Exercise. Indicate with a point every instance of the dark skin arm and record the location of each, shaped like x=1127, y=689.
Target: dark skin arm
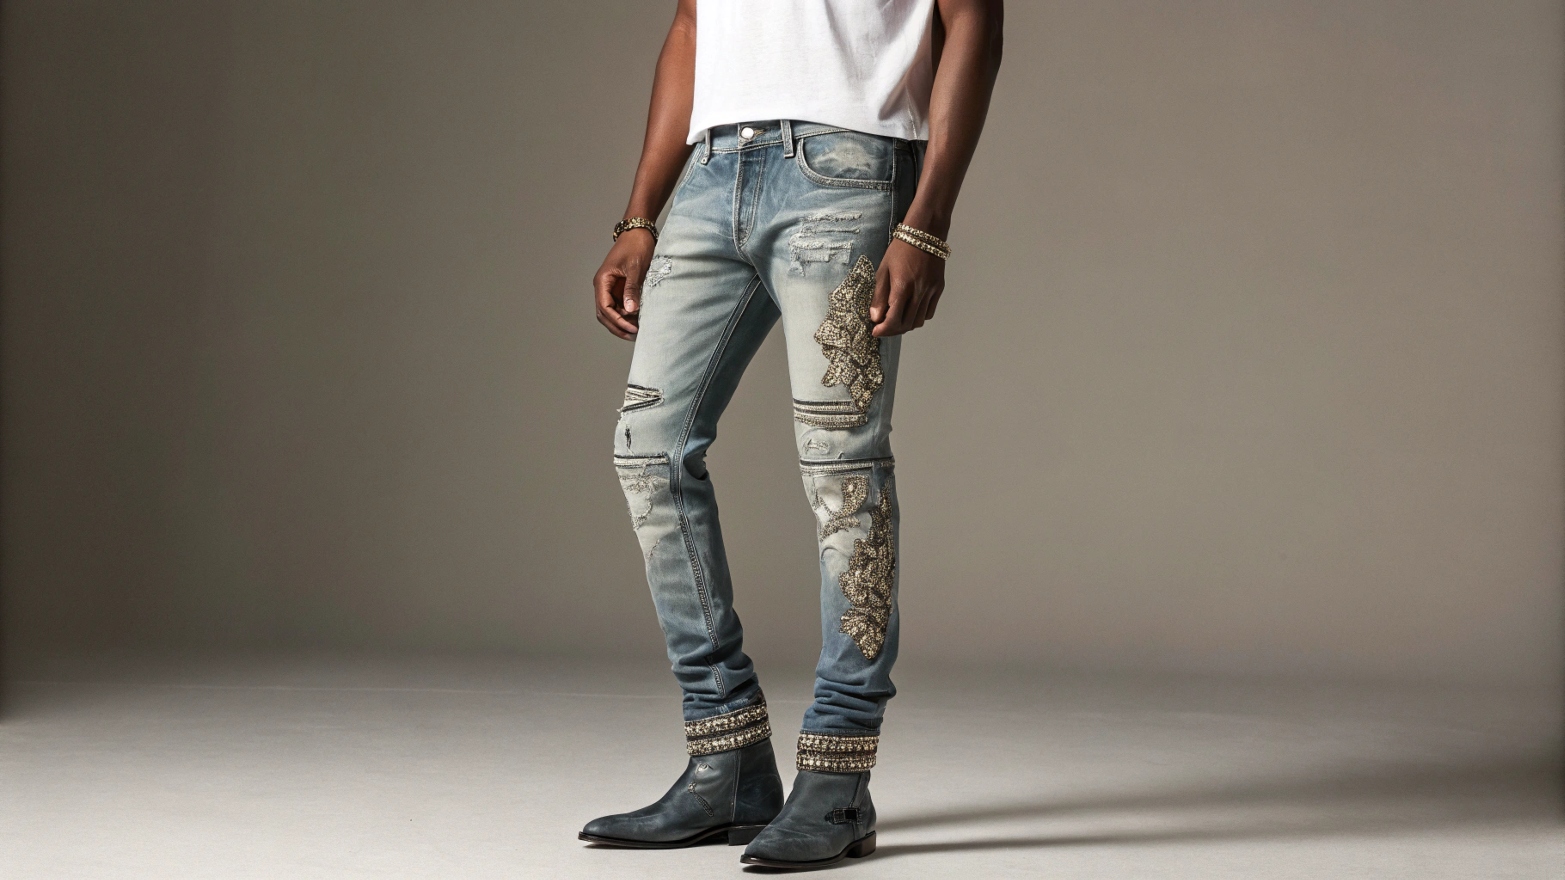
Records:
x=663, y=154
x=909, y=282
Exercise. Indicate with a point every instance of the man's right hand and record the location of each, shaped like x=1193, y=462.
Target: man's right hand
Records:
x=618, y=282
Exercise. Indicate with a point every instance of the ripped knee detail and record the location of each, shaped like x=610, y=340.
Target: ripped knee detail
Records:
x=641, y=477
x=637, y=397
x=640, y=397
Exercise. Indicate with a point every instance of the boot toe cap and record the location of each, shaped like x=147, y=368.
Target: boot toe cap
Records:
x=605, y=826
x=794, y=845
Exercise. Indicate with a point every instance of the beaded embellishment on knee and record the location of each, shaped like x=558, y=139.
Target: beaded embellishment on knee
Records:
x=867, y=582
x=728, y=731
x=833, y=753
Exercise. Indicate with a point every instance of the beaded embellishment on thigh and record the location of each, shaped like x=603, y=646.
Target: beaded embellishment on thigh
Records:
x=845, y=339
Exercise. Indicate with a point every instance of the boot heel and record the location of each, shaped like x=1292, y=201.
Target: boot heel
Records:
x=862, y=847
x=742, y=834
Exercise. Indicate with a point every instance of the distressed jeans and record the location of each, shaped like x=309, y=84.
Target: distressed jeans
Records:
x=772, y=219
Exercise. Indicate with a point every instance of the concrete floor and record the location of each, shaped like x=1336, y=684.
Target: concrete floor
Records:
x=481, y=768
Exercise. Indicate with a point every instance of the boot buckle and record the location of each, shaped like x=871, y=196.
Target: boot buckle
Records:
x=843, y=816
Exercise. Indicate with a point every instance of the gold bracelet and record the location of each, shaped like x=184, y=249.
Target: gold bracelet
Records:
x=630, y=223
x=925, y=237
x=922, y=240
x=921, y=245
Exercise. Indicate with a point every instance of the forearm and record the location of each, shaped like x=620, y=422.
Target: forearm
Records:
x=969, y=62
x=663, y=150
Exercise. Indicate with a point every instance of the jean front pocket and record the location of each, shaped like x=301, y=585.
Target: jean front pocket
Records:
x=848, y=158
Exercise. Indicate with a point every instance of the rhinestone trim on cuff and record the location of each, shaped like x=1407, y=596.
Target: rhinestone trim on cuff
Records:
x=730, y=730
x=728, y=742
x=727, y=721
x=827, y=753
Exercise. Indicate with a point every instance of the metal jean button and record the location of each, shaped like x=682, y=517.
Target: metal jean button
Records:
x=747, y=132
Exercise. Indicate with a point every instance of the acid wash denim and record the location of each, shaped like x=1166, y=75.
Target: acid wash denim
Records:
x=788, y=222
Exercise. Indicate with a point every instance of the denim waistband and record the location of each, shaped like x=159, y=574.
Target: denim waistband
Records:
x=766, y=133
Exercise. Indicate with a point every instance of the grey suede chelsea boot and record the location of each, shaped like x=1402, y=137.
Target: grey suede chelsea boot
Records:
x=731, y=794
x=828, y=817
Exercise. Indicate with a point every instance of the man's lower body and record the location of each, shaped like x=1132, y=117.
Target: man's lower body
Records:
x=771, y=220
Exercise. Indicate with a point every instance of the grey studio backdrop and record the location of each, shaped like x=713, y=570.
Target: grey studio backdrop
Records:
x=1250, y=360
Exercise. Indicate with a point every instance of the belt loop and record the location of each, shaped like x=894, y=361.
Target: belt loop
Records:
x=787, y=137
x=707, y=153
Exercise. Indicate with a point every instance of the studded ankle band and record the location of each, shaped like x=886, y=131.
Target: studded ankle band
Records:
x=832, y=753
x=728, y=731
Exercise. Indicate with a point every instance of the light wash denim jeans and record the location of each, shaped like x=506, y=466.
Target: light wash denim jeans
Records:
x=788, y=222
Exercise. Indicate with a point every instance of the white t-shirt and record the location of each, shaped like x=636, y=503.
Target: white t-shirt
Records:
x=861, y=64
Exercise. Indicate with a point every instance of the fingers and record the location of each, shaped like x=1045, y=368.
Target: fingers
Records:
x=934, y=300
x=918, y=305
x=617, y=325
x=895, y=321
x=635, y=273
x=911, y=304
x=613, y=328
x=877, y=303
x=607, y=300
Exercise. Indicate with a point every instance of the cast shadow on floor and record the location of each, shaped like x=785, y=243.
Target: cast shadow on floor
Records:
x=1381, y=799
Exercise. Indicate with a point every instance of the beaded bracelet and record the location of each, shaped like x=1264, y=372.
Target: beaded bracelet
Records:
x=630, y=223
x=922, y=240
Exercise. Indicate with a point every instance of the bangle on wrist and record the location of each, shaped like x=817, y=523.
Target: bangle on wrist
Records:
x=929, y=244
x=630, y=223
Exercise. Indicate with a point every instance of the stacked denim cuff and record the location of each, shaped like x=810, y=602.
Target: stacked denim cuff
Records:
x=728, y=731
x=832, y=753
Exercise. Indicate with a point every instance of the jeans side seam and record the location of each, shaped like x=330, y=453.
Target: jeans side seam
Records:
x=677, y=471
